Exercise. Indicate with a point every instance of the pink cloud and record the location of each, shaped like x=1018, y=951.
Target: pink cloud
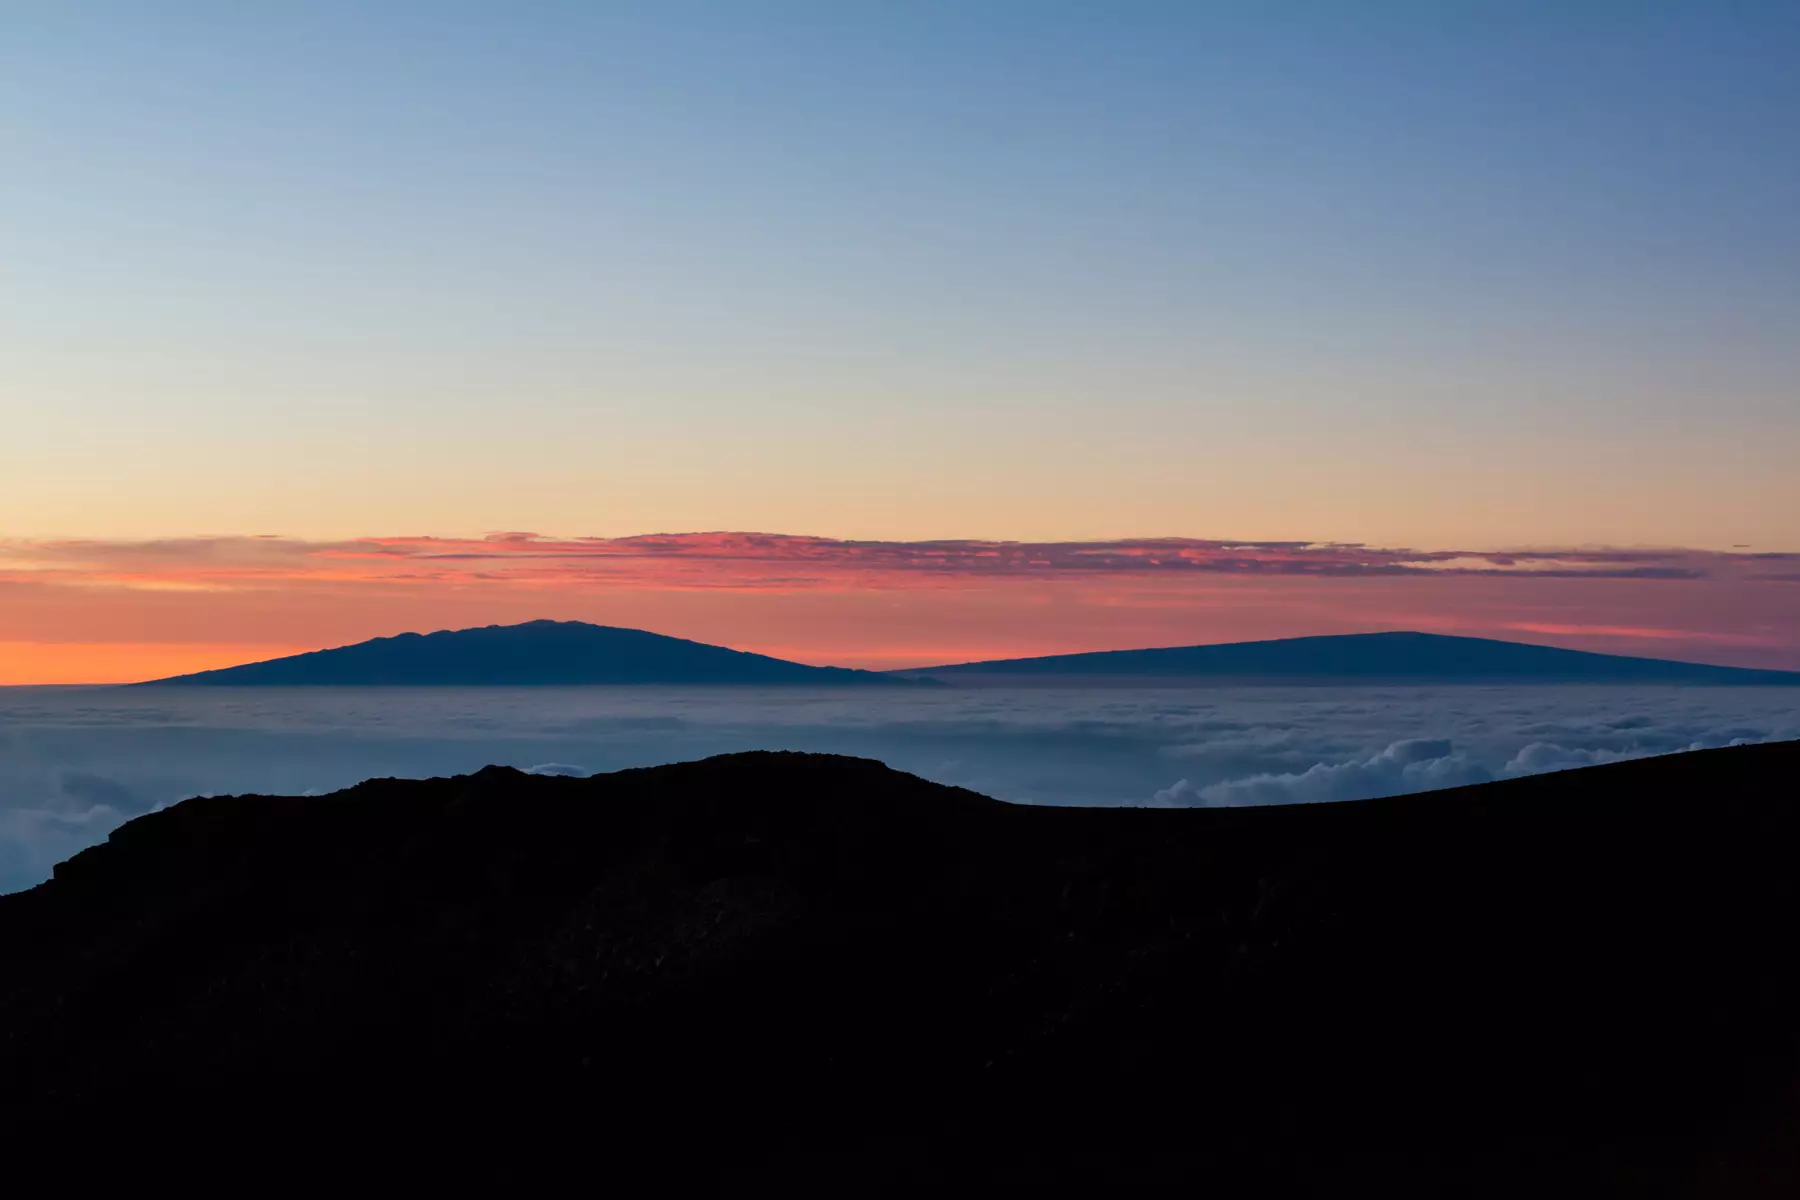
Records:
x=876, y=603
x=782, y=561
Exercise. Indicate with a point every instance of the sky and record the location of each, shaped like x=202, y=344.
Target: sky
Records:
x=1424, y=277
x=178, y=605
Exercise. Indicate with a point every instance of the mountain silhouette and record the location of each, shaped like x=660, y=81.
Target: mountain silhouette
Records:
x=797, y=971
x=1358, y=658
x=534, y=653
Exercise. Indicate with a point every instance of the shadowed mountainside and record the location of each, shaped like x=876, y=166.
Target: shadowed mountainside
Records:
x=1357, y=658
x=534, y=653
x=806, y=970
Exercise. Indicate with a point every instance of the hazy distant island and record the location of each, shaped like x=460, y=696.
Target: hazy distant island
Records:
x=536, y=653
x=1398, y=657
x=802, y=971
x=551, y=653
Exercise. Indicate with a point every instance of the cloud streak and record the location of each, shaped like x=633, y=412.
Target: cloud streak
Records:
x=98, y=610
x=755, y=561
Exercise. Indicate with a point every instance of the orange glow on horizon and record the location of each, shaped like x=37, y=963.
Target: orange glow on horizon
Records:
x=27, y=663
x=111, y=612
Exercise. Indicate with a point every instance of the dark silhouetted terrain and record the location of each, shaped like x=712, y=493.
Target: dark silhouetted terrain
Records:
x=537, y=652
x=1357, y=658
x=810, y=971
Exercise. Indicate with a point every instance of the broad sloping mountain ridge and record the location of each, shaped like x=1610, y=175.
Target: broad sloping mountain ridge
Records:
x=534, y=653
x=806, y=971
x=1361, y=657
x=573, y=653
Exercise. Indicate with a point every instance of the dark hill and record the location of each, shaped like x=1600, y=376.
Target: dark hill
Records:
x=800, y=971
x=1358, y=658
x=535, y=653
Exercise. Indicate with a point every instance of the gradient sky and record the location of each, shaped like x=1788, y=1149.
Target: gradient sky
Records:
x=94, y=611
x=1411, y=274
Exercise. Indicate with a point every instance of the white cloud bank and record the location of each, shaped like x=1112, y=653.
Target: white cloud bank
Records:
x=75, y=763
x=1406, y=766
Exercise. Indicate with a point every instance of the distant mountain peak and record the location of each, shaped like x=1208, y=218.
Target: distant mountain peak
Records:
x=1399, y=655
x=533, y=653
x=570, y=653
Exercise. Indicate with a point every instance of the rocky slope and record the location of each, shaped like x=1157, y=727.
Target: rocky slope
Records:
x=818, y=972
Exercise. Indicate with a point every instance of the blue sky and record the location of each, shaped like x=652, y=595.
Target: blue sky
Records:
x=1469, y=274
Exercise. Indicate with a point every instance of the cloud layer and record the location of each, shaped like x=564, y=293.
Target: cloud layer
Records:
x=74, y=763
x=1405, y=766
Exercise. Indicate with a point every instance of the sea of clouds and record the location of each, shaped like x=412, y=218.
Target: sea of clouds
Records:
x=77, y=762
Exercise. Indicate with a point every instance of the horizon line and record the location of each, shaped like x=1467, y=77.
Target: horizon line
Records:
x=906, y=670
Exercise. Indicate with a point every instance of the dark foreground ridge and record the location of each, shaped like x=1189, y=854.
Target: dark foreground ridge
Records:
x=1399, y=657
x=532, y=654
x=815, y=971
